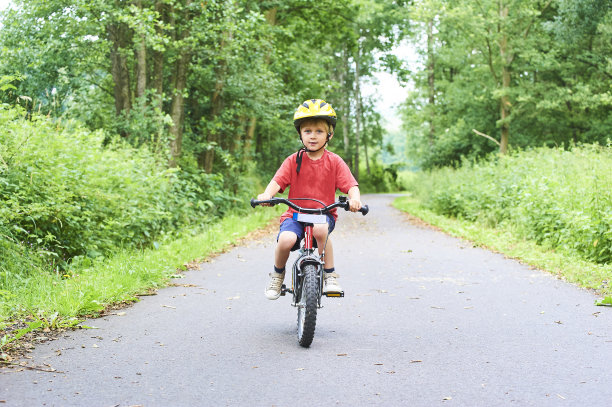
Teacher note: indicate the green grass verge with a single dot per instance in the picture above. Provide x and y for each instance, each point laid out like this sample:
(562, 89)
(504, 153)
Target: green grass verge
(55, 301)
(564, 265)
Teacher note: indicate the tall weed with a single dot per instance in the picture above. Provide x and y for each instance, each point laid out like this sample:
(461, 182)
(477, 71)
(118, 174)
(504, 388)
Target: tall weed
(66, 193)
(561, 199)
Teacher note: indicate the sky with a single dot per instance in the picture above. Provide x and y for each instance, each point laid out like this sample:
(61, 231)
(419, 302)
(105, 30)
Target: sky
(388, 91)
(3, 4)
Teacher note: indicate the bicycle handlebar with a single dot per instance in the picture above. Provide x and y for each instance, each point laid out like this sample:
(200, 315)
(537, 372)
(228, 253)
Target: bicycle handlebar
(341, 203)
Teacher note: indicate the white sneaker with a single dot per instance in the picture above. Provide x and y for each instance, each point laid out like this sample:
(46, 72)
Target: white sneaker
(273, 291)
(331, 283)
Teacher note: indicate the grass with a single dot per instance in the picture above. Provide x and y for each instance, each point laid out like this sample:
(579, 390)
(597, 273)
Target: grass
(49, 301)
(502, 239)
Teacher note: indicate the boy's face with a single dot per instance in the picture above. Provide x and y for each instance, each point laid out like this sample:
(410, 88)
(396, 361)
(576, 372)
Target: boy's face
(314, 134)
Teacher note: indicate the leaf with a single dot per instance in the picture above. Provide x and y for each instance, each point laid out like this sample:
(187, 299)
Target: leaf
(605, 302)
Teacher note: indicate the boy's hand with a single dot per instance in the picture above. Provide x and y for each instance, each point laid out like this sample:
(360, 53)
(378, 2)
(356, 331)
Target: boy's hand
(270, 191)
(354, 205)
(264, 197)
(354, 199)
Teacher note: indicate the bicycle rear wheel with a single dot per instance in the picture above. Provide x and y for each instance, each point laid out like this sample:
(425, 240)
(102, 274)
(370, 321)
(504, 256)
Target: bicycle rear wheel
(307, 307)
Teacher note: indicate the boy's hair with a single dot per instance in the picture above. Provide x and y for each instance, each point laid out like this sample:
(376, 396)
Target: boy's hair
(317, 120)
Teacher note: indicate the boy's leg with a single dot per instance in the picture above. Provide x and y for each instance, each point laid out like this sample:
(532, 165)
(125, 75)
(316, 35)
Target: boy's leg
(289, 234)
(321, 233)
(286, 240)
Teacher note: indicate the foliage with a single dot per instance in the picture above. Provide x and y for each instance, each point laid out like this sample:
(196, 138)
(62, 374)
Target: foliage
(380, 179)
(65, 195)
(560, 199)
(214, 83)
(537, 71)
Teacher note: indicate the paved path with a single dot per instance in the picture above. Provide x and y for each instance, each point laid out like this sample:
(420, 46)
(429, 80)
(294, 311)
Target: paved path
(427, 320)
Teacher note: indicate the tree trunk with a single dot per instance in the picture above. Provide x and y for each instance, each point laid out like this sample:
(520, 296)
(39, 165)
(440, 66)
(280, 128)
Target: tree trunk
(248, 140)
(357, 112)
(118, 35)
(367, 158)
(141, 69)
(271, 19)
(158, 61)
(208, 156)
(430, 80)
(504, 104)
(141, 61)
(178, 106)
(346, 106)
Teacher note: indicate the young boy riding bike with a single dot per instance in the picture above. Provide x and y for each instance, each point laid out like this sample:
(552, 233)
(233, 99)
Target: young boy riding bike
(312, 172)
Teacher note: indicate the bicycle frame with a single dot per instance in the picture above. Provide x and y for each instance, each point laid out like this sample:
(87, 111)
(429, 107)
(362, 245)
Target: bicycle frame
(307, 270)
(307, 256)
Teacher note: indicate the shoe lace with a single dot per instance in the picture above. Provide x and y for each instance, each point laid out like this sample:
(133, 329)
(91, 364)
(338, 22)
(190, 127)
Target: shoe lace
(276, 282)
(330, 280)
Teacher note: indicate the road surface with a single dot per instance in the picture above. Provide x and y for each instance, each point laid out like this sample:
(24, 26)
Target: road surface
(428, 320)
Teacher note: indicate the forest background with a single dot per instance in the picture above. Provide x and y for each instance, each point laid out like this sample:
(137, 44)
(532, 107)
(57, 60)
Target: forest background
(127, 124)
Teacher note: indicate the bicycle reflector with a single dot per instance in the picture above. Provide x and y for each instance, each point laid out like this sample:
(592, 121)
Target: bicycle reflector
(309, 218)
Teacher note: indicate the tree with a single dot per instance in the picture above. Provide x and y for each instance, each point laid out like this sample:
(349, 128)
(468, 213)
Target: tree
(212, 84)
(508, 68)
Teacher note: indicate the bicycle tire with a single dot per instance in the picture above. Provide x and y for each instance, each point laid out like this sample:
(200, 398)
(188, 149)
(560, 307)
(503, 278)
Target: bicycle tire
(307, 307)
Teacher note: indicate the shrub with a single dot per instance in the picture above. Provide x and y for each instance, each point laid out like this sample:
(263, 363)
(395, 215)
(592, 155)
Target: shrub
(64, 194)
(559, 198)
(379, 179)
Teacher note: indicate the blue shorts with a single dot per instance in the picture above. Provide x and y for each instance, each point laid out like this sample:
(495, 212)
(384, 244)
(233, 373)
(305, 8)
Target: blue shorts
(296, 227)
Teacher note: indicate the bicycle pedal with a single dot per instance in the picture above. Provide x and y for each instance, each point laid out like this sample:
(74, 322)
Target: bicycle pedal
(334, 294)
(285, 290)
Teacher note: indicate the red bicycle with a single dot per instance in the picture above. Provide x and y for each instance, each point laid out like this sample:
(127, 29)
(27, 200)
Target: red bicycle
(307, 270)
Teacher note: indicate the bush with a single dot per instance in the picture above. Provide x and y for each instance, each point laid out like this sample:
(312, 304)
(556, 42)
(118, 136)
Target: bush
(65, 195)
(380, 179)
(561, 199)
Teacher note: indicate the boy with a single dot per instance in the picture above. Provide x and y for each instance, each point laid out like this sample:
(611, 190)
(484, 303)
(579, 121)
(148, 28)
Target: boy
(312, 172)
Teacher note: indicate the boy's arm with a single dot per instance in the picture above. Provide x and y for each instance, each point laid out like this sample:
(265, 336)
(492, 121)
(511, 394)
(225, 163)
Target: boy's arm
(354, 199)
(271, 190)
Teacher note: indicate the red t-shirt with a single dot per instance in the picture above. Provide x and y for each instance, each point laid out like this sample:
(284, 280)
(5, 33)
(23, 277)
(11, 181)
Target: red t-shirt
(317, 179)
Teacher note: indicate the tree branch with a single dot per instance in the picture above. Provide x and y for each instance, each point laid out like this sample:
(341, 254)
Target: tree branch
(490, 60)
(526, 33)
(486, 136)
(594, 65)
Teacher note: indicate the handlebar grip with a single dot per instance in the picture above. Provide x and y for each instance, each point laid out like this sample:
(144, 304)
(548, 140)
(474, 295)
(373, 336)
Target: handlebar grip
(272, 202)
(364, 210)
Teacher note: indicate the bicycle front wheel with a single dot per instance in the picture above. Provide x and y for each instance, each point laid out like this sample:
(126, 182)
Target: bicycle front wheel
(307, 307)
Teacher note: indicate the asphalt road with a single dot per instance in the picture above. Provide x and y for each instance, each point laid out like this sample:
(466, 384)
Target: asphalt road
(427, 320)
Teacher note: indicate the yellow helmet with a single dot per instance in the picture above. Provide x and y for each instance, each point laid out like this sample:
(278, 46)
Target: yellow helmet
(314, 109)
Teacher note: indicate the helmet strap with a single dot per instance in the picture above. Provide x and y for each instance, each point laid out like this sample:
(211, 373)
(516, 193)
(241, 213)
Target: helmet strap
(301, 151)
